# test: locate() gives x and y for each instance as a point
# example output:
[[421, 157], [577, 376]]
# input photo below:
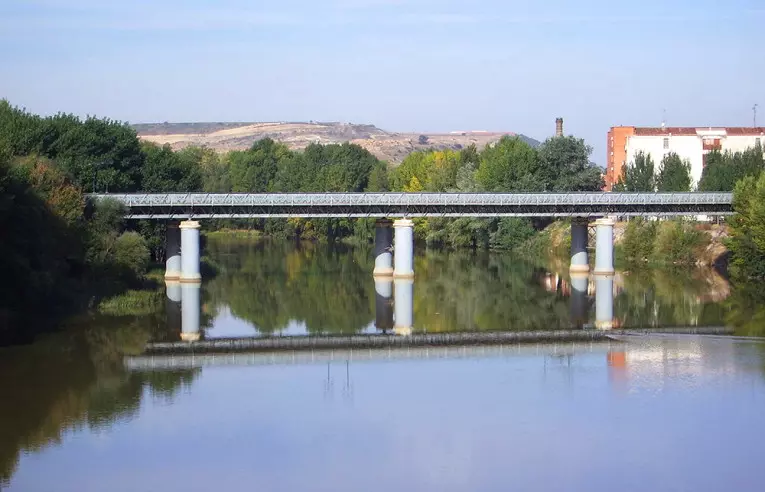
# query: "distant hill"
[[390, 146]]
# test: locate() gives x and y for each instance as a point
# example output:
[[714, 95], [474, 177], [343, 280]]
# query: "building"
[[693, 144]]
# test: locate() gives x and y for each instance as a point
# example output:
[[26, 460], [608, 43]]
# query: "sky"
[[403, 65]]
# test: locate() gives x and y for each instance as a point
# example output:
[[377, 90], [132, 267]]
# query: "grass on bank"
[[131, 303]]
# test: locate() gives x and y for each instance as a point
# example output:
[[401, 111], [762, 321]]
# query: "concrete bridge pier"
[[604, 246], [190, 312], [604, 302], [579, 305], [579, 260], [383, 248], [190, 251], [173, 265], [403, 306], [403, 249], [383, 303]]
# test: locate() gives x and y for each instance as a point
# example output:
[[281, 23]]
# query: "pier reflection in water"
[[394, 311], [283, 289]]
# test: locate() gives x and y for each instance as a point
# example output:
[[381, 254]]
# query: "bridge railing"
[[412, 199]]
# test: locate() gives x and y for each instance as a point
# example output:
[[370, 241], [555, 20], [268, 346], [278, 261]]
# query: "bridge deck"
[[268, 205]]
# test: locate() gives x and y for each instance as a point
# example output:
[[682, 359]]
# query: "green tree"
[[747, 229], [98, 154], [254, 170], [723, 170], [131, 253], [165, 170], [638, 240], [378, 178], [677, 242], [510, 165], [638, 176], [564, 165], [674, 175]]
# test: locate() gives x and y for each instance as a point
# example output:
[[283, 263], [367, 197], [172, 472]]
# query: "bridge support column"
[[403, 306], [604, 247], [579, 283], [403, 249], [173, 252], [190, 251], [383, 303], [190, 311], [383, 248], [579, 261], [604, 302]]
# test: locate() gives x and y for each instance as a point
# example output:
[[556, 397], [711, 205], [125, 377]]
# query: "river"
[[93, 407]]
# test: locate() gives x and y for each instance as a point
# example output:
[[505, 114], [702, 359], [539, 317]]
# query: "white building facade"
[[691, 144]]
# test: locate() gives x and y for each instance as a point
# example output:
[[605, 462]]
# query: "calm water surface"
[[84, 411]]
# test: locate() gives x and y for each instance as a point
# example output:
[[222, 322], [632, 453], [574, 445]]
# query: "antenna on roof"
[[754, 114], [663, 118]]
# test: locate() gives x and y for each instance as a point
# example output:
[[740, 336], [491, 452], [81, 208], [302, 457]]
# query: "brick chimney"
[[558, 127]]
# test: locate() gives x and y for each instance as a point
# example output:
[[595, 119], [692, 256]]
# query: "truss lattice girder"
[[266, 205]]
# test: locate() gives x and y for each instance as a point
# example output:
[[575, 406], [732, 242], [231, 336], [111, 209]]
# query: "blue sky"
[[404, 65]]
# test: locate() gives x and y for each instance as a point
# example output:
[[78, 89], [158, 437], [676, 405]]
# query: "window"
[[666, 143], [757, 142]]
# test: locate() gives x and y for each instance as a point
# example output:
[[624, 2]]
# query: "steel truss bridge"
[[339, 205]]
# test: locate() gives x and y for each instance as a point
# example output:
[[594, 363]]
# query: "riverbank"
[[651, 243]]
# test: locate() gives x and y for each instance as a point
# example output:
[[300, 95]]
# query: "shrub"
[[131, 253], [677, 242], [511, 232], [638, 241]]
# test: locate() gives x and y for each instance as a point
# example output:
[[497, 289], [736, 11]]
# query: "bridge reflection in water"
[[396, 337], [394, 317]]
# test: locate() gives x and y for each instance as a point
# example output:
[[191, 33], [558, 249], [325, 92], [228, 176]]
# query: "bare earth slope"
[[392, 147]]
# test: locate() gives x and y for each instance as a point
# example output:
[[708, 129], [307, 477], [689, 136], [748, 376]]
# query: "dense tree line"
[[510, 165], [724, 169], [61, 251], [49, 163]]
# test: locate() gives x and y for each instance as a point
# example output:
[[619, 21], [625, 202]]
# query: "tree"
[[215, 176], [165, 170], [723, 170], [674, 175], [378, 178], [98, 154], [255, 169], [435, 170], [509, 165], [747, 228], [131, 253], [564, 165], [638, 176], [470, 155]]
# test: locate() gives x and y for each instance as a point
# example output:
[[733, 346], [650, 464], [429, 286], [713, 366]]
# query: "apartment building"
[[691, 143]]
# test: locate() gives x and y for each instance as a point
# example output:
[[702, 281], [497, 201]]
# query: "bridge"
[[182, 241], [394, 205]]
